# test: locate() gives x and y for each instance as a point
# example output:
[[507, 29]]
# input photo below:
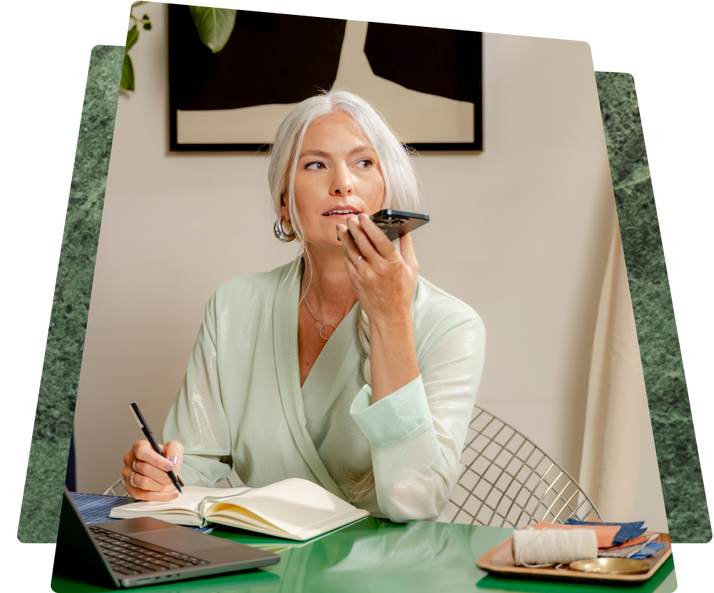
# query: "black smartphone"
[[396, 223]]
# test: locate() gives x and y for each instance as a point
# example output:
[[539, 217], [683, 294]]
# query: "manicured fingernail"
[[176, 495], [362, 216], [340, 228], [173, 459]]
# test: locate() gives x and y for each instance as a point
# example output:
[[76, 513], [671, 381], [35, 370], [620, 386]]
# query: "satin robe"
[[241, 404]]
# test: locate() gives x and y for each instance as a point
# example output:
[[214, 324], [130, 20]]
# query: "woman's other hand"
[[145, 471]]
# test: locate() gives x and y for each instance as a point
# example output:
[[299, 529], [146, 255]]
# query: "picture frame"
[[431, 78]]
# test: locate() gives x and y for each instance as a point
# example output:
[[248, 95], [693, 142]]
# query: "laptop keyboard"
[[127, 555]]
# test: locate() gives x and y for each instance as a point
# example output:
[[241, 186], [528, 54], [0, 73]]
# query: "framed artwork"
[[426, 82]]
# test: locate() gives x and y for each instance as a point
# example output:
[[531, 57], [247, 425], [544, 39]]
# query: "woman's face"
[[338, 175]]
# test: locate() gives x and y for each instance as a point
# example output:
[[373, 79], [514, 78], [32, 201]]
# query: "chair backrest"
[[510, 482], [116, 489]]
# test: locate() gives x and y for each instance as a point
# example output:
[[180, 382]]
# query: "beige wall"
[[520, 232]]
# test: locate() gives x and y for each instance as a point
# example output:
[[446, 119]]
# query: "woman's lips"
[[341, 213]]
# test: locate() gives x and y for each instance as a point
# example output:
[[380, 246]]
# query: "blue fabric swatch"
[[627, 530], [650, 549]]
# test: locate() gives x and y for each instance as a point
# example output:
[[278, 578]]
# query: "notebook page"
[[296, 506]]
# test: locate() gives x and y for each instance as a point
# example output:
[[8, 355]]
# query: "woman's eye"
[[364, 163], [315, 165]]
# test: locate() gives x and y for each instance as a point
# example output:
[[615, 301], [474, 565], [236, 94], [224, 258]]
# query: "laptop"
[[145, 551]]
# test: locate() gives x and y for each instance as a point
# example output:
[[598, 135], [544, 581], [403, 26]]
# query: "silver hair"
[[401, 193]]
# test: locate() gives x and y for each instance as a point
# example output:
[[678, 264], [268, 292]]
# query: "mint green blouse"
[[241, 405]]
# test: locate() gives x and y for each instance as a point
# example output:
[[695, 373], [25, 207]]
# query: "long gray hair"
[[401, 192]]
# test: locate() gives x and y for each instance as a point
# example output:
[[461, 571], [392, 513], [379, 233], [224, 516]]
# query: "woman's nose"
[[341, 183]]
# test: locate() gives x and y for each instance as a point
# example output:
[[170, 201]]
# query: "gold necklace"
[[317, 320]]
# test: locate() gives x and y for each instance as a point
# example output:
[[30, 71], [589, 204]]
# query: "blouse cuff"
[[404, 412], [197, 470]]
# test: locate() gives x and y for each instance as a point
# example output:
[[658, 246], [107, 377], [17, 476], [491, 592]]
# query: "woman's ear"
[[284, 210]]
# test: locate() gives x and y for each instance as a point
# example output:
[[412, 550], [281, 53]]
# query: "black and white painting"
[[426, 82]]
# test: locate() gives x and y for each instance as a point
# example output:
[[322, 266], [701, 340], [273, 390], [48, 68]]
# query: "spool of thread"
[[538, 548]]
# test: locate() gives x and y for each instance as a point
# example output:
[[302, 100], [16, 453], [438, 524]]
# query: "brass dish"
[[611, 566]]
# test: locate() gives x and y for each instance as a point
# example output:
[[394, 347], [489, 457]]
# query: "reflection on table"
[[378, 556]]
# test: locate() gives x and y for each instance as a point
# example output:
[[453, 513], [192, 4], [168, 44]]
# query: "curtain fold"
[[617, 422]]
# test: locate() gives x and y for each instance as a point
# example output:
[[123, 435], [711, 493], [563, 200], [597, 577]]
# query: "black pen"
[[150, 437]]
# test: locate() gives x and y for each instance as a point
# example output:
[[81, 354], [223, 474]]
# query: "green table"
[[374, 556]]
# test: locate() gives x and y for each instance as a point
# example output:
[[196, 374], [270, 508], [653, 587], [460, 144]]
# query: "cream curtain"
[[617, 442]]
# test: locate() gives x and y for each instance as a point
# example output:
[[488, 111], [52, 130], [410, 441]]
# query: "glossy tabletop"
[[374, 555]]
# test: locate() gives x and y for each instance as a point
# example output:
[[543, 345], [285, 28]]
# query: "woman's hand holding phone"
[[382, 276]]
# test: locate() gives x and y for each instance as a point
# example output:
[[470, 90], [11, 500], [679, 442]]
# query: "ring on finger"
[[131, 480], [354, 263]]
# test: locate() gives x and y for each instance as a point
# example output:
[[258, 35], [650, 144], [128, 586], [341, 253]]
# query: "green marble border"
[[47, 464], [669, 405], [675, 441]]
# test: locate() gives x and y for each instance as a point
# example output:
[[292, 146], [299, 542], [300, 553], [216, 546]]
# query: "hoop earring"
[[280, 229]]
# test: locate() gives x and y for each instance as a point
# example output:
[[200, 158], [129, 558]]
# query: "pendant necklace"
[[317, 320]]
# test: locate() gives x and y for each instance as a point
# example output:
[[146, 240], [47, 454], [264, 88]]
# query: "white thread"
[[538, 548]]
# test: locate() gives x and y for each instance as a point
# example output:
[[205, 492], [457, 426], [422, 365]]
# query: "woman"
[[344, 367]]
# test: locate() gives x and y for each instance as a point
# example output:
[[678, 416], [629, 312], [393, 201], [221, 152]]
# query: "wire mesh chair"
[[116, 489], [510, 482]]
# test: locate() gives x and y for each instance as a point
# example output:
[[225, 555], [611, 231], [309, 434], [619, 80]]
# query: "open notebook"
[[293, 509]]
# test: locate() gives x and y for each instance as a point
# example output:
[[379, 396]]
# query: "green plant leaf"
[[131, 38], [127, 74], [214, 25], [147, 22]]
